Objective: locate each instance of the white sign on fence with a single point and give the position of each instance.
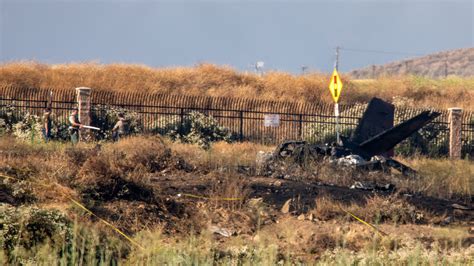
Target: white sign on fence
(272, 120)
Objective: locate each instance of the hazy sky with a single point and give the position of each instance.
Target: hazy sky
(283, 34)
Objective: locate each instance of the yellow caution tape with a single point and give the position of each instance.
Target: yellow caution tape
(87, 210)
(208, 198)
(105, 222)
(380, 232)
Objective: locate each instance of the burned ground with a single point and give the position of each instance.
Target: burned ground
(305, 214)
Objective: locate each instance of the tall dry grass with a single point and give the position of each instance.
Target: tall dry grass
(211, 80)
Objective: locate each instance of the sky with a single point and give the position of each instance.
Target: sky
(285, 35)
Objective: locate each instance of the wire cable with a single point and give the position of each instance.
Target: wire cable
(377, 51)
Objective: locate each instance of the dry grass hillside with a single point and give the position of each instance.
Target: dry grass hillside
(211, 80)
(458, 62)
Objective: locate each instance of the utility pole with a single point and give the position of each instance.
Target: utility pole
(336, 63)
(445, 66)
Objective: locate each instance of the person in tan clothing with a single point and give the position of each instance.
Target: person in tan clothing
(120, 129)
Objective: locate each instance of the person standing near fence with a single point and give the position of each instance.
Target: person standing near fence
(120, 129)
(75, 126)
(46, 121)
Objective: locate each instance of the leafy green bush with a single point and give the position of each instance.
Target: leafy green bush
(8, 117)
(19, 191)
(105, 117)
(28, 227)
(197, 128)
(60, 129)
(28, 128)
(431, 140)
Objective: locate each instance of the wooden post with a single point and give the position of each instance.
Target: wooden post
(84, 107)
(455, 128)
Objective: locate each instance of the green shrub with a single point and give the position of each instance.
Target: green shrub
(431, 140)
(59, 128)
(197, 128)
(105, 117)
(8, 117)
(25, 228)
(28, 128)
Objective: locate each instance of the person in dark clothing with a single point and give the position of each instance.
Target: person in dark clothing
(75, 126)
(120, 129)
(47, 123)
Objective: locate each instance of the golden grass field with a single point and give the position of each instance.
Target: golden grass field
(212, 80)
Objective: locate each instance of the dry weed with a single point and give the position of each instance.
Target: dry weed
(376, 209)
(211, 80)
(441, 178)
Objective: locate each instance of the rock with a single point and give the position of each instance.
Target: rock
(301, 217)
(286, 206)
(310, 217)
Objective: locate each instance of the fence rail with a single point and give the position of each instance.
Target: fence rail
(243, 117)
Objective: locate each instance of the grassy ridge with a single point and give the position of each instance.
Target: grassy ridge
(214, 80)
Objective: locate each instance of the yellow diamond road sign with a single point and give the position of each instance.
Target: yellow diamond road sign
(335, 86)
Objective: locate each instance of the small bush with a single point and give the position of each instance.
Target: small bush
(375, 209)
(28, 227)
(105, 117)
(28, 128)
(119, 170)
(9, 117)
(198, 128)
(431, 140)
(59, 129)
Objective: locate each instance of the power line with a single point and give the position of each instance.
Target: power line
(377, 51)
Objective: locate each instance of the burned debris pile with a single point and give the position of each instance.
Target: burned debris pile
(369, 148)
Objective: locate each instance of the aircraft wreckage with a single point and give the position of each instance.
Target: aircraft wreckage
(370, 147)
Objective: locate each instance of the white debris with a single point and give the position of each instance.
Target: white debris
(220, 231)
(350, 160)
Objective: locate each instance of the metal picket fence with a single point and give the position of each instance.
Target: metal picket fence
(245, 118)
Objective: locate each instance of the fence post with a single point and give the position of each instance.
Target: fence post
(455, 128)
(241, 126)
(84, 107)
(181, 118)
(300, 129)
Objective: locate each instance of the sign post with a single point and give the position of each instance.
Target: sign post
(335, 87)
